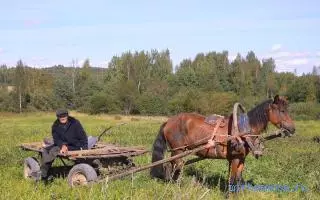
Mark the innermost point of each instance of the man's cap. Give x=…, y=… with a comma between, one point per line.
x=62, y=112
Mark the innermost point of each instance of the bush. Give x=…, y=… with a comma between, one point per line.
x=103, y=103
x=151, y=104
x=7, y=102
x=41, y=101
x=305, y=110
x=183, y=101
x=221, y=103
x=98, y=104
x=191, y=100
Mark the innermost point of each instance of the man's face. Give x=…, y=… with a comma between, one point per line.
x=63, y=119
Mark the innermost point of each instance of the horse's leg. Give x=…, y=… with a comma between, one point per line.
x=177, y=165
x=236, y=166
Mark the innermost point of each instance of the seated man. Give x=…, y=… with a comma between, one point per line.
x=68, y=134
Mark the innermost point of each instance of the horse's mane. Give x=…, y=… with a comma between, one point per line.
x=258, y=114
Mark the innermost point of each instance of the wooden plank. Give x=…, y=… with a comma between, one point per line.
x=105, y=156
x=31, y=149
x=103, y=151
x=38, y=145
x=35, y=146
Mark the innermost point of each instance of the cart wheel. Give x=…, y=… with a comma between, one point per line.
x=31, y=168
x=81, y=174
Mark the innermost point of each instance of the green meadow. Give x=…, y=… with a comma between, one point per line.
x=287, y=162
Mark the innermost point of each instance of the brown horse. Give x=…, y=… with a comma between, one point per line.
x=187, y=129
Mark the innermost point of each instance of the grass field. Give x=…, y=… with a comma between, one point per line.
x=287, y=162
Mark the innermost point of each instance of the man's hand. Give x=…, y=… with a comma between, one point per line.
x=64, y=149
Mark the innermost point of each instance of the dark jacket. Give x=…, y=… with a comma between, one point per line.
x=71, y=134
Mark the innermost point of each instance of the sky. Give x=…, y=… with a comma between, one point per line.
x=44, y=33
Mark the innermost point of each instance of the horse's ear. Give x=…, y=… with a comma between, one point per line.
x=276, y=99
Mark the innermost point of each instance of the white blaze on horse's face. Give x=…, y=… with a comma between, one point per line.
x=278, y=114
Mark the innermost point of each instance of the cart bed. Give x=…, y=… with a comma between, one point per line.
x=101, y=150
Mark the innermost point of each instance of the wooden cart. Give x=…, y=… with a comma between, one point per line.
x=87, y=165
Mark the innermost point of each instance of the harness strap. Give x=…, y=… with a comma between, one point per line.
x=212, y=142
x=216, y=128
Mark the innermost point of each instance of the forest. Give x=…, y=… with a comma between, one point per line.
x=147, y=83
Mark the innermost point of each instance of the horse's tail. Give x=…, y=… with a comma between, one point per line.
x=159, y=147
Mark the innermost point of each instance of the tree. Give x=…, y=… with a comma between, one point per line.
x=144, y=82
x=316, y=75
x=284, y=80
x=303, y=89
x=3, y=74
x=20, y=82
x=63, y=89
x=267, y=75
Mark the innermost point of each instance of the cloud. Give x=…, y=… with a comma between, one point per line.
x=294, y=62
x=276, y=47
x=103, y=64
x=318, y=53
x=289, y=64
x=287, y=54
x=232, y=57
x=38, y=59
x=289, y=60
x=1, y=50
x=31, y=22
x=80, y=63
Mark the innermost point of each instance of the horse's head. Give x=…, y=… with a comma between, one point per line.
x=279, y=116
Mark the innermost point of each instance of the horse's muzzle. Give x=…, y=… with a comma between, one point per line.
x=288, y=129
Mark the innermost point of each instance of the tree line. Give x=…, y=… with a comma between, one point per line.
x=146, y=82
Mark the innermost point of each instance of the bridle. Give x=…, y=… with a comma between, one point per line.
x=282, y=128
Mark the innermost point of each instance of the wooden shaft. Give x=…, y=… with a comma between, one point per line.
x=180, y=155
x=273, y=136
x=194, y=160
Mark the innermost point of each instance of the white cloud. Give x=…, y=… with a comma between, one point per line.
x=276, y=47
x=290, y=60
x=287, y=54
x=296, y=61
x=103, y=64
x=31, y=22
x=41, y=65
x=283, y=68
x=1, y=50
x=38, y=59
x=318, y=53
x=291, y=63
x=80, y=63
x=232, y=57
